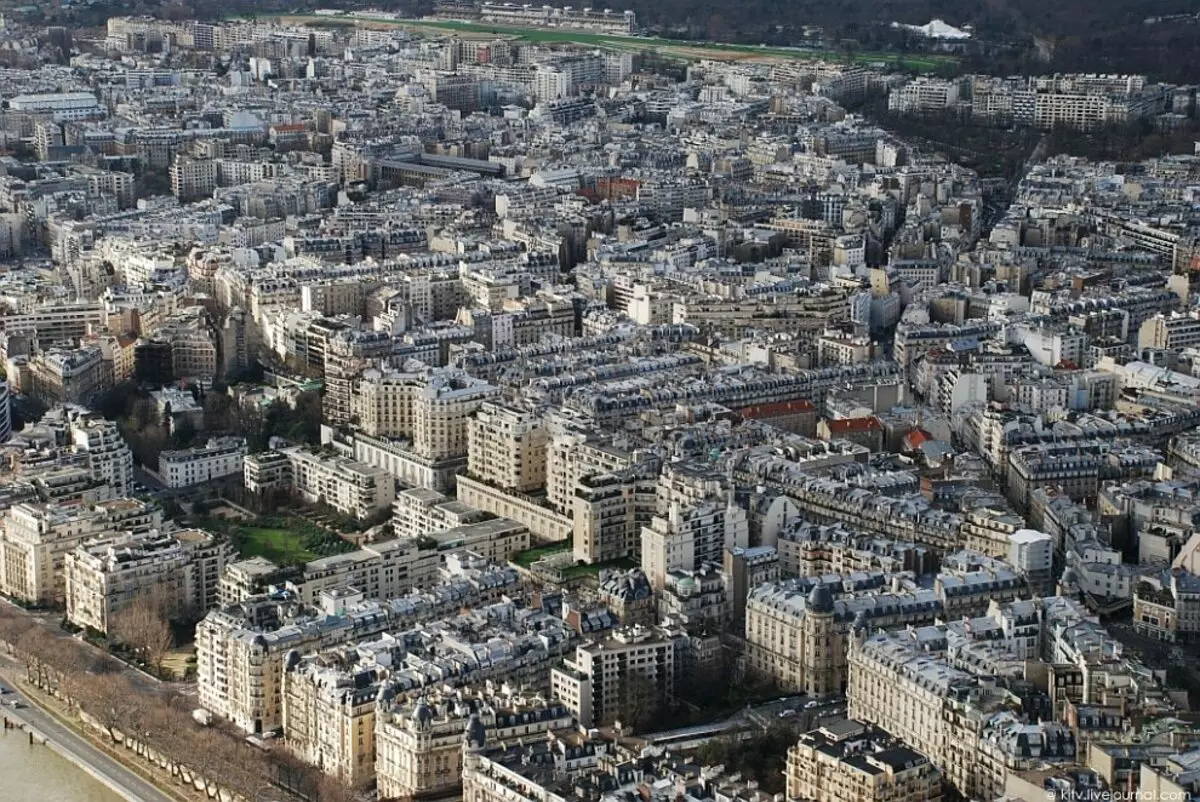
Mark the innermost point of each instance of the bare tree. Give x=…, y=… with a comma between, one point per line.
x=144, y=625
x=34, y=644
x=12, y=626
x=331, y=789
x=640, y=701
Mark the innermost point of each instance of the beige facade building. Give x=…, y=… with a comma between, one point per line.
x=74, y=376
x=507, y=447
x=418, y=744
x=241, y=649
x=431, y=408
x=798, y=633
x=37, y=537
x=966, y=727
x=1170, y=331
x=328, y=719
x=104, y=576
x=570, y=457
x=989, y=531
x=611, y=510
x=853, y=762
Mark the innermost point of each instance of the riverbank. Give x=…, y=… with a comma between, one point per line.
x=46, y=720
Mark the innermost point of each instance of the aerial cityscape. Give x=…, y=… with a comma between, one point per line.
x=510, y=403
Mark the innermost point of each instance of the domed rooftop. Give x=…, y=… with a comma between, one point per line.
x=422, y=713
x=820, y=600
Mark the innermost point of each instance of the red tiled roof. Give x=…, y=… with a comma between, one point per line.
x=917, y=437
x=798, y=406
x=855, y=425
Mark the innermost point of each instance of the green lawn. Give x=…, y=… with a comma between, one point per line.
x=593, y=570
x=922, y=62
x=530, y=556
x=280, y=546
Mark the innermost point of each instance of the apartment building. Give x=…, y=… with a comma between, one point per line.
x=418, y=744
x=432, y=408
x=965, y=728
x=797, y=631
x=813, y=550
x=105, y=575
x=630, y=672
x=689, y=536
x=629, y=596
x=611, y=511
x=37, y=537
x=57, y=322
x=216, y=459
x=244, y=579
x=1072, y=468
x=506, y=447
x=107, y=454
x=987, y=530
x=241, y=649
x=62, y=106
x=1166, y=605
x=352, y=488
x=328, y=717
x=1170, y=332
x=267, y=471
x=193, y=179
x=419, y=511
x=851, y=761
x=392, y=568
x=923, y=95
x=68, y=376
x=505, y=773
x=570, y=457
x=1076, y=100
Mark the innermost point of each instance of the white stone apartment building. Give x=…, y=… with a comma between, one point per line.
x=689, y=536
x=419, y=510
x=108, y=456
x=352, y=488
x=216, y=459
x=922, y=95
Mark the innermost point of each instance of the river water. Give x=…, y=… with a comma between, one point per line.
x=39, y=774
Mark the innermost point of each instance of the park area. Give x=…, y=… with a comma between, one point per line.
x=923, y=62
x=282, y=539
